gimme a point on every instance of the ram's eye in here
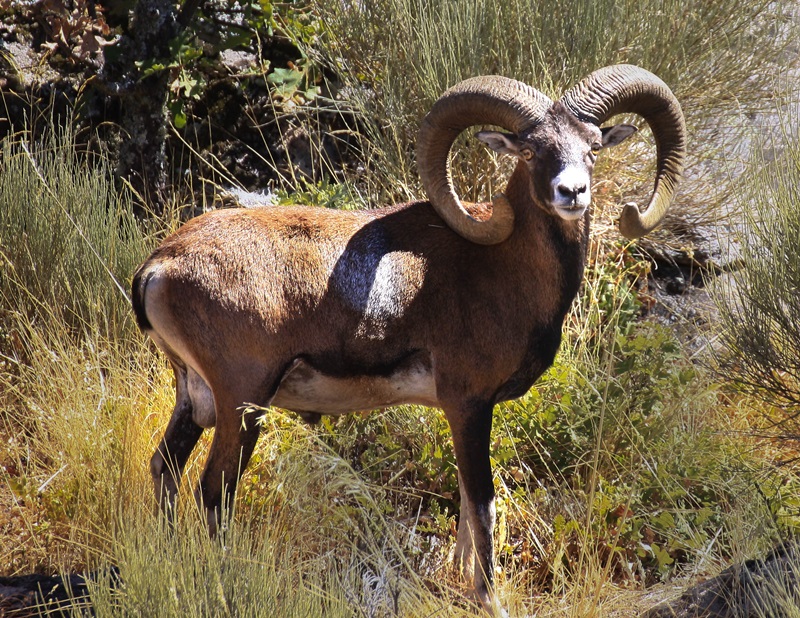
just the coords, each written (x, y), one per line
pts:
(596, 147)
(526, 154)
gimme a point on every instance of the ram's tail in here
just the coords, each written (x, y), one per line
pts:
(138, 287)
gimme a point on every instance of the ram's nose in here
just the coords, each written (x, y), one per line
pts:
(571, 192)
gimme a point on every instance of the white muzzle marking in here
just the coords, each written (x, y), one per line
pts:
(571, 192)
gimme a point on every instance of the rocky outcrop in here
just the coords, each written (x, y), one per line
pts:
(50, 595)
(759, 588)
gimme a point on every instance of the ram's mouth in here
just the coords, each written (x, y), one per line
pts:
(570, 212)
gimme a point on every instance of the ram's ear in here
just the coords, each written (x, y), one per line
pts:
(501, 143)
(617, 134)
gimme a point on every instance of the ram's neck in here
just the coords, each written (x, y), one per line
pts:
(549, 256)
(545, 239)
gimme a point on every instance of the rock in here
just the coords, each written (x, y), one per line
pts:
(51, 595)
(759, 588)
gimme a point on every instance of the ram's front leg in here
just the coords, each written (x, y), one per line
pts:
(471, 426)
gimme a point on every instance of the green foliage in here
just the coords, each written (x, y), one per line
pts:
(68, 246)
(612, 424)
(227, 25)
(341, 196)
(186, 83)
(407, 451)
(295, 83)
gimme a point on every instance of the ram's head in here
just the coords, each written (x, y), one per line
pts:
(557, 141)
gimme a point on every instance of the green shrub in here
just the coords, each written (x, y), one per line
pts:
(759, 304)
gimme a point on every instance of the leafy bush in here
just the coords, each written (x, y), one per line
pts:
(193, 59)
(618, 432)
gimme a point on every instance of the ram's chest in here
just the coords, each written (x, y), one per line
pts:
(304, 388)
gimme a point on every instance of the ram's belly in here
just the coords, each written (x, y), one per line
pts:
(307, 390)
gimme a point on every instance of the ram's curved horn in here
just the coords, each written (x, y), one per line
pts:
(623, 89)
(492, 99)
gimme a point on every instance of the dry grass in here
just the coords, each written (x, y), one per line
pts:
(318, 531)
(83, 408)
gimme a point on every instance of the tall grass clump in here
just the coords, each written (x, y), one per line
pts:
(713, 54)
(72, 371)
(310, 537)
(249, 571)
(69, 238)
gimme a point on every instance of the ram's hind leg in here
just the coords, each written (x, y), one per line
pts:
(235, 437)
(180, 438)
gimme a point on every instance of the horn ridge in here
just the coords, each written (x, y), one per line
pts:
(491, 99)
(627, 88)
